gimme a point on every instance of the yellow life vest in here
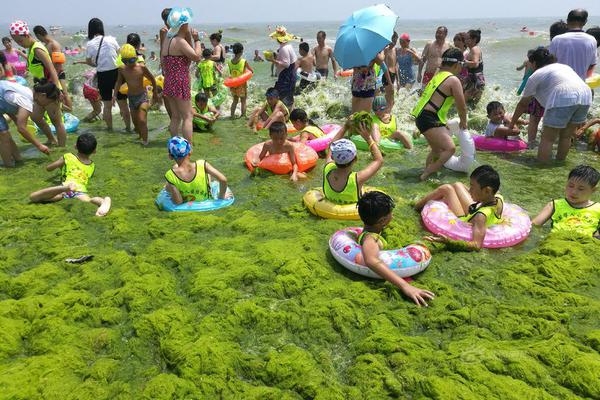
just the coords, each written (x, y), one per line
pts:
(388, 129)
(314, 130)
(489, 210)
(74, 171)
(269, 110)
(431, 88)
(194, 190)
(35, 66)
(377, 236)
(236, 70)
(350, 194)
(568, 218)
(207, 73)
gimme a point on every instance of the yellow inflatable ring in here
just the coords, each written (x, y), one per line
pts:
(593, 81)
(317, 204)
(160, 80)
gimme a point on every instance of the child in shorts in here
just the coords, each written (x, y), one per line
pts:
(133, 73)
(76, 172)
(206, 73)
(273, 110)
(576, 212)
(205, 114)
(498, 122)
(279, 144)
(375, 210)
(237, 66)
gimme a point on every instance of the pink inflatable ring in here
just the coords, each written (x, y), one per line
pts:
(322, 143)
(500, 145)
(514, 229)
(404, 262)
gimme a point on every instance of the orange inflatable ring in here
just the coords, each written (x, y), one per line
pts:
(280, 164)
(345, 73)
(58, 57)
(239, 80)
(290, 127)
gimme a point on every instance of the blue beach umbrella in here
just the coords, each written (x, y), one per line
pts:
(363, 35)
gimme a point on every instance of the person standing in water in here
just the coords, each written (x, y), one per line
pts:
(475, 81)
(389, 57)
(285, 63)
(58, 59)
(323, 54)
(432, 54)
(406, 57)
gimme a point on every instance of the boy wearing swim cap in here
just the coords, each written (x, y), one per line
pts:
(133, 73)
(76, 172)
(385, 125)
(375, 210)
(480, 205)
(190, 180)
(279, 144)
(576, 212)
(272, 111)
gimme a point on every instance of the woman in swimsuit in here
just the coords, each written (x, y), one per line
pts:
(475, 81)
(177, 55)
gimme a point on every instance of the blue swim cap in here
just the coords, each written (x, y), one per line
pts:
(179, 147)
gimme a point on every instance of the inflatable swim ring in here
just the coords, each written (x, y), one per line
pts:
(514, 229)
(318, 205)
(219, 97)
(322, 143)
(345, 73)
(384, 144)
(164, 202)
(463, 162)
(404, 262)
(238, 81)
(268, 54)
(483, 143)
(70, 122)
(306, 158)
(124, 89)
(593, 81)
(290, 127)
(311, 77)
(20, 67)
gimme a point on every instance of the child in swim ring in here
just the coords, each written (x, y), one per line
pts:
(279, 144)
(76, 173)
(498, 122)
(375, 210)
(272, 111)
(481, 205)
(384, 123)
(237, 66)
(205, 114)
(305, 126)
(576, 212)
(190, 180)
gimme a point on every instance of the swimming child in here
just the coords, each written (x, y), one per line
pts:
(481, 205)
(76, 171)
(576, 212)
(206, 73)
(307, 129)
(375, 210)
(190, 180)
(305, 63)
(279, 144)
(257, 57)
(133, 73)
(385, 125)
(498, 122)
(205, 114)
(237, 66)
(272, 111)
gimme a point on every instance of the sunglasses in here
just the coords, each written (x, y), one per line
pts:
(129, 60)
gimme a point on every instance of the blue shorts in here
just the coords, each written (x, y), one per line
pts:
(3, 124)
(560, 117)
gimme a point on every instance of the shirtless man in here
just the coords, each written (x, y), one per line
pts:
(306, 63)
(322, 55)
(55, 50)
(432, 55)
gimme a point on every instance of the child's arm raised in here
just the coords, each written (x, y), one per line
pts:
(375, 165)
(370, 250)
(215, 173)
(544, 215)
(56, 164)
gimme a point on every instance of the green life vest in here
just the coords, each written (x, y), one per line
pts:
(35, 66)
(314, 130)
(194, 190)
(207, 73)
(568, 218)
(431, 88)
(269, 110)
(350, 194)
(489, 210)
(377, 236)
(74, 171)
(236, 70)
(388, 129)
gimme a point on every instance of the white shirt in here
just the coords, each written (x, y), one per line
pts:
(575, 49)
(557, 85)
(491, 127)
(18, 95)
(108, 52)
(286, 55)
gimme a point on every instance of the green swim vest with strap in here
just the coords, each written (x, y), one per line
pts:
(35, 66)
(378, 237)
(388, 129)
(350, 194)
(314, 130)
(74, 171)
(207, 73)
(431, 88)
(280, 103)
(194, 190)
(568, 218)
(489, 210)
(236, 70)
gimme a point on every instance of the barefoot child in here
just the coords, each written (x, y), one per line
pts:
(576, 212)
(498, 122)
(375, 210)
(384, 123)
(190, 180)
(133, 73)
(480, 204)
(76, 172)
(237, 66)
(205, 114)
(279, 144)
(307, 129)
(272, 111)
(206, 73)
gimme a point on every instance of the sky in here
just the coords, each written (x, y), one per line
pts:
(147, 12)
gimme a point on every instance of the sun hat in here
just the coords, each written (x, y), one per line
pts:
(179, 147)
(19, 28)
(281, 35)
(178, 17)
(343, 151)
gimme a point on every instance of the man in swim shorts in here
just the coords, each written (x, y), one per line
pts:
(431, 58)
(323, 54)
